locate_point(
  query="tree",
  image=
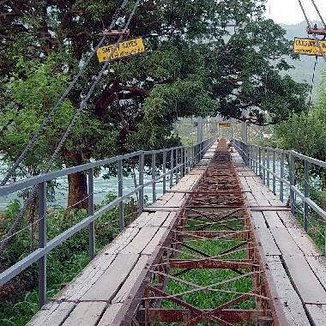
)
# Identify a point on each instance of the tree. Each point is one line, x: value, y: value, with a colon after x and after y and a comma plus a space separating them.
x: 306, y: 132
x: 203, y: 57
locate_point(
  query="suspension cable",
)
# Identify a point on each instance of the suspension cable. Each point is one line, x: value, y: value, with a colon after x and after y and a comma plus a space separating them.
x: 313, y: 81
x: 309, y: 26
x: 82, y: 105
x: 304, y: 14
x: 56, y: 106
x: 318, y: 12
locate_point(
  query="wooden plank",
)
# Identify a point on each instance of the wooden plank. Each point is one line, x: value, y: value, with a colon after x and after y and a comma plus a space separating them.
x: 137, y: 245
x: 255, y: 187
x: 108, y: 284
x: 140, y: 221
x: 176, y: 200
x: 153, y: 218
x: 109, y: 315
x: 150, y: 248
x: 306, y: 282
x: 162, y: 200
x: 285, y: 295
x: 157, y: 218
x: 84, y: 281
x: 124, y: 292
x: 288, y: 219
x: 317, y: 314
x: 268, y: 194
x: 121, y: 241
x: 318, y: 265
x: 53, y: 313
x: 273, y: 220
x: 250, y: 199
x: 169, y: 221
x: 86, y: 314
x: 304, y: 242
x: 258, y: 220
x: 267, y: 242
x: 244, y: 184
x: 285, y: 242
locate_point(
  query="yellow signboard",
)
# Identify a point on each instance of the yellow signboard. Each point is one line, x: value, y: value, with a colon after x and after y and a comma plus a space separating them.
x: 308, y: 46
x: 225, y: 125
x: 124, y: 49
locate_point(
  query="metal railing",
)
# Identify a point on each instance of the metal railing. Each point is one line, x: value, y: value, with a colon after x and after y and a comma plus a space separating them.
x: 174, y: 162
x: 282, y: 170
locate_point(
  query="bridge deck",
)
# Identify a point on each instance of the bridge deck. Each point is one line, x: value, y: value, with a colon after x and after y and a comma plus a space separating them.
x: 104, y: 291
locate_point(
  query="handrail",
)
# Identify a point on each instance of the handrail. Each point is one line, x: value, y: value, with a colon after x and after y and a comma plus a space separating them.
x: 258, y: 158
x: 32, y: 181
x: 184, y: 157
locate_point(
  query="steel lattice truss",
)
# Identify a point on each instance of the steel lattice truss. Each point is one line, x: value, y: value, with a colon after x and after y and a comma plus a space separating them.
x: 210, y: 270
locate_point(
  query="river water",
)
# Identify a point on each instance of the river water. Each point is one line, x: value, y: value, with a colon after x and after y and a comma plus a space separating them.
x: 102, y: 187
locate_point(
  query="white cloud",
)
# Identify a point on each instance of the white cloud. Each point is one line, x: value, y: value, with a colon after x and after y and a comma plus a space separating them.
x: 289, y: 12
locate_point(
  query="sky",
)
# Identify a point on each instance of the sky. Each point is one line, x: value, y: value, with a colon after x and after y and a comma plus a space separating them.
x: 289, y: 12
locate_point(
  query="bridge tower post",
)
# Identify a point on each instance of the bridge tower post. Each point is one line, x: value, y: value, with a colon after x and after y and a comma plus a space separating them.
x: 199, y: 130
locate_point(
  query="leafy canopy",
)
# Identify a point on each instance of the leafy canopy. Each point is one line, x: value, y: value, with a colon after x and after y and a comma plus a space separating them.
x: 203, y: 58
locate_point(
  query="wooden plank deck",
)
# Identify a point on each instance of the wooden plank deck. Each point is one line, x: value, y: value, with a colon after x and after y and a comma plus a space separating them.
x: 99, y: 294
x: 295, y: 267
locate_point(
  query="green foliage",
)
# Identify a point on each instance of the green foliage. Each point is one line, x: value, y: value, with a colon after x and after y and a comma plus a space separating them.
x: 64, y: 262
x: 305, y: 132
x: 194, y: 65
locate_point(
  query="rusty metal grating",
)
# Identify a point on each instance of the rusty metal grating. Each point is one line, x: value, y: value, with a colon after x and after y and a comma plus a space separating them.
x: 209, y: 270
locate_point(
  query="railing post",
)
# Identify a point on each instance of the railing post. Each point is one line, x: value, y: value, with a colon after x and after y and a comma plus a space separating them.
x: 274, y: 171
x: 268, y: 167
x: 177, y: 164
x: 141, y: 182
x: 306, y: 193
x: 264, y: 165
x: 257, y: 160
x: 260, y: 171
x: 90, y: 212
x: 171, y: 174
x: 292, y: 182
x: 120, y: 194
x: 154, y: 177
x: 325, y: 239
x: 164, y: 171
x: 42, y: 244
x: 186, y: 158
x: 183, y: 165
x: 282, y: 177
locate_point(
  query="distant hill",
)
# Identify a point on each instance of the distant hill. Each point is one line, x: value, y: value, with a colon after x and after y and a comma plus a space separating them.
x: 304, y: 67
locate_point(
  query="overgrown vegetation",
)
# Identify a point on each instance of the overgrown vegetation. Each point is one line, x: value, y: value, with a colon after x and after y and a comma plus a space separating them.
x: 19, y: 297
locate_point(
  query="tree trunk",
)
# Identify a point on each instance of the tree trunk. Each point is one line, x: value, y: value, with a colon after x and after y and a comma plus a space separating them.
x: 77, y: 196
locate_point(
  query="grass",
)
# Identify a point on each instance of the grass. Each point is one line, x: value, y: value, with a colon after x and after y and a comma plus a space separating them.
x: 316, y: 229
x: 208, y: 299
